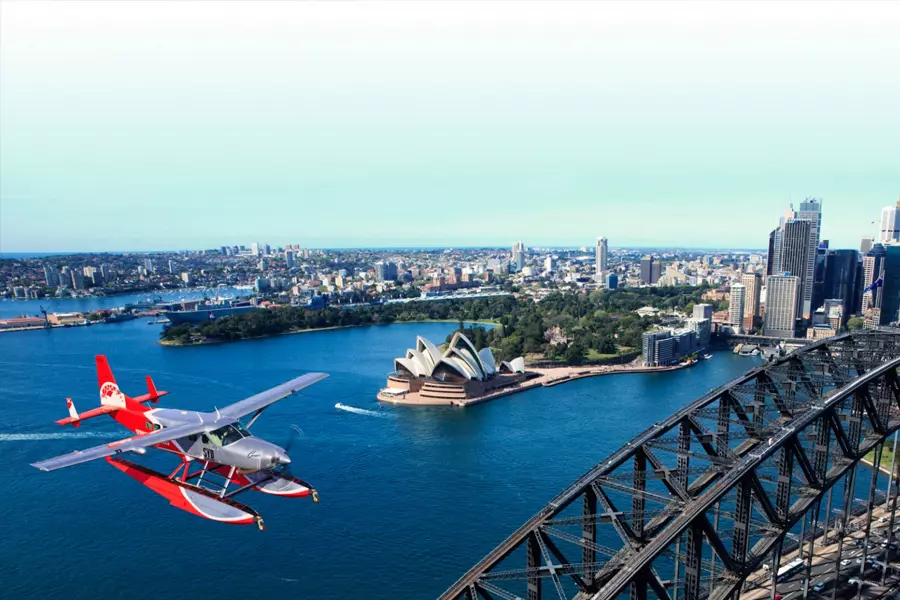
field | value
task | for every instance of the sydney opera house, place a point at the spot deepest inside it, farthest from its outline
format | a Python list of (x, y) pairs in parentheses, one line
[(457, 375)]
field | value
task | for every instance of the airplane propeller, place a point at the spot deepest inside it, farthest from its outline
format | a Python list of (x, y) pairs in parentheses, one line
[(295, 433)]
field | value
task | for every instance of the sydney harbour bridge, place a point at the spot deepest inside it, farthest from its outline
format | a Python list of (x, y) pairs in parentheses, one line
[(758, 482)]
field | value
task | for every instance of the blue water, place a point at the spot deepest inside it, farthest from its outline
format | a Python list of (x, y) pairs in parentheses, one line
[(32, 308), (410, 499)]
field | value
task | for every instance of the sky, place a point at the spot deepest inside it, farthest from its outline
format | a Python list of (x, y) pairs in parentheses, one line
[(170, 125)]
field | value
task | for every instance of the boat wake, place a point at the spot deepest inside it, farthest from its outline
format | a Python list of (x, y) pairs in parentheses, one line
[(361, 411), (37, 437)]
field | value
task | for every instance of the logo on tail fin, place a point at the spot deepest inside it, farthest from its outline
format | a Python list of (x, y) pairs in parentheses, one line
[(111, 394)]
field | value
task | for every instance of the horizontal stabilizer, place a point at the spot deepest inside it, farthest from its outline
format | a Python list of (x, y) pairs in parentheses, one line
[(76, 418)]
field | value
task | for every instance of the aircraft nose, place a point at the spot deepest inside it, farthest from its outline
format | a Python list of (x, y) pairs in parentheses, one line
[(280, 457)]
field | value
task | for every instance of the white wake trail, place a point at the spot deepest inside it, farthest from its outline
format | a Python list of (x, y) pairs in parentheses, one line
[(361, 411), (37, 437)]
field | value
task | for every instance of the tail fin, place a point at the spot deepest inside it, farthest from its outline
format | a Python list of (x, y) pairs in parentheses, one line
[(109, 389), (151, 390), (73, 414)]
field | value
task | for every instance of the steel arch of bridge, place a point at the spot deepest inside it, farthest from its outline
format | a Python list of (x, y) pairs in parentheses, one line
[(714, 490)]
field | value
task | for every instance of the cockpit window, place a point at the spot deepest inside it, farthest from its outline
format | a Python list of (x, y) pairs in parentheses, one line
[(227, 435)]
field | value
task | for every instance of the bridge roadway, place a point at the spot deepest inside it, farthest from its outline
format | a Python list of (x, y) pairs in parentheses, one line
[(705, 501), (822, 571)]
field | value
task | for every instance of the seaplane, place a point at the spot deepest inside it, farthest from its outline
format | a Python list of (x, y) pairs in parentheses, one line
[(220, 458)]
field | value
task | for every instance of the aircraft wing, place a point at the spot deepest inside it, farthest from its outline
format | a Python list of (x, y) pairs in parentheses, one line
[(263, 399), (141, 441)]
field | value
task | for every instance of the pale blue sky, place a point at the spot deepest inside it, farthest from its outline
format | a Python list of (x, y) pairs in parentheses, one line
[(193, 124)]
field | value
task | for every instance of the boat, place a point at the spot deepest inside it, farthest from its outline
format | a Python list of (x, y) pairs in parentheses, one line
[(118, 317), (148, 303), (707, 356), (208, 310)]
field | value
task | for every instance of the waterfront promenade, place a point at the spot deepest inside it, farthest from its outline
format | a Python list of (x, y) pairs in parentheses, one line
[(536, 377)]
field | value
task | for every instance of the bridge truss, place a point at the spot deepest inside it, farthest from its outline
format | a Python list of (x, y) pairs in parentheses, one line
[(694, 505)]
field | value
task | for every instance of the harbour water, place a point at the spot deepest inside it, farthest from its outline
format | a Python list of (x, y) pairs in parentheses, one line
[(410, 497)]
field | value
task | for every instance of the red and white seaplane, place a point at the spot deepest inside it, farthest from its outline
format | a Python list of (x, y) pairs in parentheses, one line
[(233, 461)]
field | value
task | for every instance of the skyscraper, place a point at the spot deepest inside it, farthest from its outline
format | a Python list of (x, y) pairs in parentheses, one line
[(792, 248), (865, 245), (518, 256), (736, 305), (51, 277), (289, 259), (385, 271), (840, 281), (703, 311), (770, 257), (753, 284), (890, 289), (795, 258), (782, 300), (872, 269), (890, 224), (602, 255), (811, 211)]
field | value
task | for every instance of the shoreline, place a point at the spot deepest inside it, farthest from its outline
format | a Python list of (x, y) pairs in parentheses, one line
[(546, 377), (205, 342)]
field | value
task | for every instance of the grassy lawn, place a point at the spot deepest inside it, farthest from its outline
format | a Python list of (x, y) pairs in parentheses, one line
[(885, 454), (594, 355)]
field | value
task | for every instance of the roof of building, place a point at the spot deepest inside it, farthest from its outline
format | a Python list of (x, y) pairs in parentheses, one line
[(460, 357)]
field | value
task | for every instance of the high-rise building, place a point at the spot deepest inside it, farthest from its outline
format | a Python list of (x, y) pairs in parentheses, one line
[(602, 255), (753, 284), (268, 250), (811, 211), (782, 301), (770, 257), (171, 267), (77, 280), (186, 278), (289, 259), (872, 269), (841, 281), (263, 264), (890, 288), (818, 282), (650, 269), (385, 271), (795, 259), (107, 272), (736, 305), (865, 245), (254, 248), (890, 224), (702, 328), (612, 281), (518, 256), (703, 311), (549, 264), (148, 265), (51, 277)]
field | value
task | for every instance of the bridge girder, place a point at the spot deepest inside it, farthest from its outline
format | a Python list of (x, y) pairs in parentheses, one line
[(746, 461)]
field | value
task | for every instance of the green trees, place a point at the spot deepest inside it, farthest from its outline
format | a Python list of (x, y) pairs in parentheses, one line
[(597, 323), (855, 323)]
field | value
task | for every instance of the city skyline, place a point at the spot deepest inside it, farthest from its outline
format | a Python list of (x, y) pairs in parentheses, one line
[(337, 126)]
